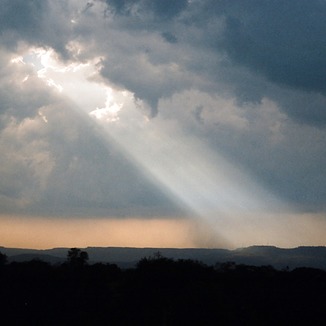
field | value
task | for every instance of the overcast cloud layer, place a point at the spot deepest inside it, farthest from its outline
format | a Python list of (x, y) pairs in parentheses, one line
[(247, 78)]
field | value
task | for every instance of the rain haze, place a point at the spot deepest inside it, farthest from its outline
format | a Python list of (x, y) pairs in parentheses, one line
[(152, 123)]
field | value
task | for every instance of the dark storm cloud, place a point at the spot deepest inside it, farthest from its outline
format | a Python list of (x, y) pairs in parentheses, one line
[(23, 16), (38, 22), (161, 9), (282, 40)]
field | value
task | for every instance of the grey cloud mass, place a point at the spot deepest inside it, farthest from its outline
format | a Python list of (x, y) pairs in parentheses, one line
[(245, 77), (282, 40)]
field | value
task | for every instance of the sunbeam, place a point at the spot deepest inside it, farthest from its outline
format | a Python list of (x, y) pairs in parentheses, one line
[(198, 179)]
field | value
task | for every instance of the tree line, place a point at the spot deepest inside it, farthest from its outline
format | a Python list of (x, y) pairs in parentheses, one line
[(158, 291)]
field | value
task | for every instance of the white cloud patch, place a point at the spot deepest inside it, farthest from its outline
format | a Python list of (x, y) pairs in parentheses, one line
[(111, 110)]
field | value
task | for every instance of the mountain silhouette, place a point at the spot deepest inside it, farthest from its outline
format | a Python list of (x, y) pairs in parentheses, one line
[(314, 257)]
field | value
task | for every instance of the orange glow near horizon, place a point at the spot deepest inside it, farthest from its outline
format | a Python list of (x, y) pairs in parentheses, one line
[(44, 233)]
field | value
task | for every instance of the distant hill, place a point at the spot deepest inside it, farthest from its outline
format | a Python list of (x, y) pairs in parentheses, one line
[(32, 256), (279, 258)]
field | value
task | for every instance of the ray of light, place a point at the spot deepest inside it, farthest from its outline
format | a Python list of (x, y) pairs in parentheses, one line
[(209, 187), (197, 178)]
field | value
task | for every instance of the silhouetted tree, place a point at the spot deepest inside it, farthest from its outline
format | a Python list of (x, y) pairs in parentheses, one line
[(159, 291), (3, 259), (77, 257)]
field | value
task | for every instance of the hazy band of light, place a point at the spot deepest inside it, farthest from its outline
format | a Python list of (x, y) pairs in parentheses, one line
[(45, 232)]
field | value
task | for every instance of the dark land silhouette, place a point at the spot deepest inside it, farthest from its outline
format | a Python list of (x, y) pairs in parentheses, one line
[(279, 258), (158, 291)]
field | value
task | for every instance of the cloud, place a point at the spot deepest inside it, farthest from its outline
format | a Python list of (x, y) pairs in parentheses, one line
[(23, 17), (36, 22), (164, 10), (282, 41)]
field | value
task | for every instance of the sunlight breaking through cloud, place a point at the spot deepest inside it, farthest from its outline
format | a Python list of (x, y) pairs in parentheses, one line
[(110, 111), (201, 181)]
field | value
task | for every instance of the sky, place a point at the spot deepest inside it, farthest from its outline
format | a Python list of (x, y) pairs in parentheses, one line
[(158, 123)]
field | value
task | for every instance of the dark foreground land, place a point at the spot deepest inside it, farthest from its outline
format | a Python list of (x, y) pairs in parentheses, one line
[(159, 291)]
